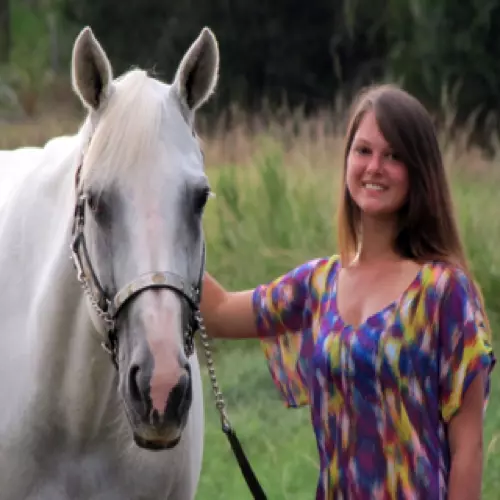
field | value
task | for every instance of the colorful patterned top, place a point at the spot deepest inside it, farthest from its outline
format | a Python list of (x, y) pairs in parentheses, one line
[(381, 394)]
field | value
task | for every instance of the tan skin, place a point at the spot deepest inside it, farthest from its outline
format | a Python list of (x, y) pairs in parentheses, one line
[(375, 278)]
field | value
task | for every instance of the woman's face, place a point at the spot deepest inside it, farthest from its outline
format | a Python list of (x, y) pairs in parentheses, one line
[(376, 179)]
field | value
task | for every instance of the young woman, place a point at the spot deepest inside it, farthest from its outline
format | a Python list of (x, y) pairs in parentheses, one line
[(388, 342)]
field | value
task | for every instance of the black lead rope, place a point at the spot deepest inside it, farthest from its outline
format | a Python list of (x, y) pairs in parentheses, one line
[(246, 469)]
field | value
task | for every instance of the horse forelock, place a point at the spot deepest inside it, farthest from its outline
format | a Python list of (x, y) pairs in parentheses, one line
[(126, 130)]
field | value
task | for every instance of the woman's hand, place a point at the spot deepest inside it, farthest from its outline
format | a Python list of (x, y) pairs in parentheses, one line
[(227, 314)]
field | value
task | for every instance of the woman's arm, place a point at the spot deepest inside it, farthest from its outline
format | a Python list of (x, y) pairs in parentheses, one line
[(466, 444), (227, 314), (466, 360), (280, 306)]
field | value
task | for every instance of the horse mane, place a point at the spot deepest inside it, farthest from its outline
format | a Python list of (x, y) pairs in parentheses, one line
[(127, 128)]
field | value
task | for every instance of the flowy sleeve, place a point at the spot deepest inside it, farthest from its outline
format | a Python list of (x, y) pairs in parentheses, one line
[(464, 343), (284, 310)]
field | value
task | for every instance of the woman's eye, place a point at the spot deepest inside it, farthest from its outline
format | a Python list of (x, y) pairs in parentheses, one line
[(362, 150), (393, 156)]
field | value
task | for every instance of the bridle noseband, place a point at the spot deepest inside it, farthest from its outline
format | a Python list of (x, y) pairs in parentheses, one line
[(107, 308)]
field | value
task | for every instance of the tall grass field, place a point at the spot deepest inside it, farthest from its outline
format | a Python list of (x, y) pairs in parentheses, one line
[(276, 188)]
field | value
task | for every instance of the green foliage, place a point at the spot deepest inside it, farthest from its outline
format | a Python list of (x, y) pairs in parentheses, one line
[(285, 50), (28, 70), (263, 212), (447, 47)]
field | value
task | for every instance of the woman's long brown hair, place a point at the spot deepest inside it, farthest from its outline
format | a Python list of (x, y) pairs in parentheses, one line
[(427, 225)]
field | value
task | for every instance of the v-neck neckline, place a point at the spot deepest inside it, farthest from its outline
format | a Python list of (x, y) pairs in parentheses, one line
[(381, 313)]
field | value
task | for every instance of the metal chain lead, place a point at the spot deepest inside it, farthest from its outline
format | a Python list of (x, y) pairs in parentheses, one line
[(219, 399)]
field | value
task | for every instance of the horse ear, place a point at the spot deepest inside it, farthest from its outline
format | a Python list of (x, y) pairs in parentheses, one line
[(197, 74), (91, 71)]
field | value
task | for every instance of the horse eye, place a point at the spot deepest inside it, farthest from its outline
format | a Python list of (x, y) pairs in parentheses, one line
[(94, 202), (91, 201), (200, 198)]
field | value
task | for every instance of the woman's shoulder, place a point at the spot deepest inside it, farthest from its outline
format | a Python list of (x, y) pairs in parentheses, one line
[(314, 275), (324, 270), (317, 267), (444, 295), (443, 279)]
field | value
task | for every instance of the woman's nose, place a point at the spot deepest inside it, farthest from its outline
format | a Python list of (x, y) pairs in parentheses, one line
[(375, 163)]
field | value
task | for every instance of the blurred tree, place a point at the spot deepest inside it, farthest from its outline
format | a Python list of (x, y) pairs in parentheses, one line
[(285, 50), (448, 54)]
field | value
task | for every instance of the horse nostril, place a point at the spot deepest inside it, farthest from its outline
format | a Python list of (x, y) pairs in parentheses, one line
[(180, 396), (133, 384)]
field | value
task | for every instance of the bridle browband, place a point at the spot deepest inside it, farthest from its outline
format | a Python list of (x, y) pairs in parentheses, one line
[(108, 308)]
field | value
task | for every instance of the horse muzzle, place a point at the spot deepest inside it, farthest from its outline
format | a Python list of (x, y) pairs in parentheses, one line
[(157, 406)]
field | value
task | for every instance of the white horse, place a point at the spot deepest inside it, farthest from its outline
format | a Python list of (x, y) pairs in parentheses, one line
[(123, 200)]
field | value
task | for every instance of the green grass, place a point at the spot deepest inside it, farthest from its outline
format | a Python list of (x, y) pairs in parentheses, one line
[(263, 221), (278, 442)]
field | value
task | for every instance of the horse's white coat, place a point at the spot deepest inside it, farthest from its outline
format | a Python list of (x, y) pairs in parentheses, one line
[(63, 432)]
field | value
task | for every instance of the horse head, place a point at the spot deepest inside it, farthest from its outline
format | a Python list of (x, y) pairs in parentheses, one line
[(138, 242)]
